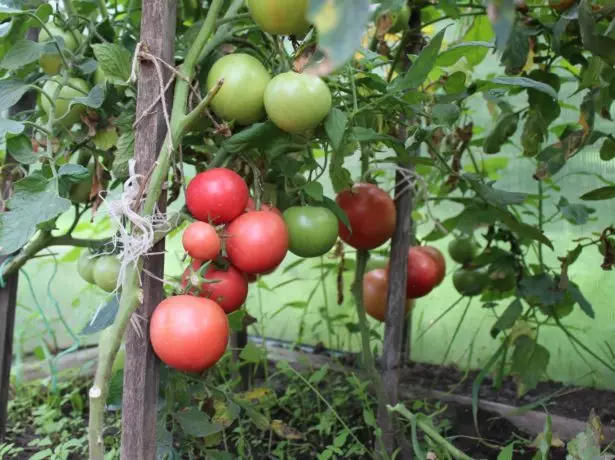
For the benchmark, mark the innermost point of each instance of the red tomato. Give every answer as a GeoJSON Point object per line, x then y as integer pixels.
{"type": "Point", "coordinates": [257, 241]}
{"type": "Point", "coordinates": [439, 258]}
{"type": "Point", "coordinates": [375, 285]}
{"type": "Point", "coordinates": [371, 213]}
{"type": "Point", "coordinates": [229, 291]}
{"type": "Point", "coordinates": [251, 206]}
{"type": "Point", "coordinates": [423, 273]}
{"type": "Point", "coordinates": [201, 241]}
{"type": "Point", "coordinates": [189, 333]}
{"type": "Point", "coordinates": [218, 196]}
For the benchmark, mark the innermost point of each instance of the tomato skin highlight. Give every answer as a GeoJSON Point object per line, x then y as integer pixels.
{"type": "Point", "coordinates": [201, 241]}
{"type": "Point", "coordinates": [372, 215]}
{"type": "Point", "coordinates": [218, 196]}
{"type": "Point", "coordinates": [257, 241]}
{"type": "Point", "coordinates": [439, 258]}
{"type": "Point", "coordinates": [375, 287]}
{"type": "Point", "coordinates": [423, 273]}
{"type": "Point", "coordinates": [312, 230]}
{"type": "Point", "coordinates": [189, 333]}
{"type": "Point", "coordinates": [230, 291]}
{"type": "Point", "coordinates": [297, 102]}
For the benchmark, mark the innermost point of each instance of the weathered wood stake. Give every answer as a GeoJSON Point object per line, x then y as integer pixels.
{"type": "Point", "coordinates": [141, 370]}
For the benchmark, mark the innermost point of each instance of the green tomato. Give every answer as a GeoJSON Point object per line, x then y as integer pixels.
{"type": "Point", "coordinates": [503, 276]}
{"type": "Point", "coordinates": [470, 283]}
{"type": "Point", "coordinates": [64, 115]}
{"type": "Point", "coordinates": [51, 62]}
{"type": "Point", "coordinates": [280, 17]}
{"type": "Point", "coordinates": [105, 272]}
{"type": "Point", "coordinates": [297, 102]}
{"type": "Point", "coordinates": [312, 230]}
{"type": "Point", "coordinates": [85, 266]}
{"type": "Point", "coordinates": [400, 20]}
{"type": "Point", "coordinates": [241, 95]}
{"type": "Point", "coordinates": [462, 250]}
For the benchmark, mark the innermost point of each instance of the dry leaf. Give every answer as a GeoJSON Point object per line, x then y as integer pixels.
{"type": "Point", "coordinates": [284, 431]}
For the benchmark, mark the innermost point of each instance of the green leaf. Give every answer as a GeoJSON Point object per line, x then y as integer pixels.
{"type": "Point", "coordinates": [235, 319]}
{"type": "Point", "coordinates": [607, 151]}
{"type": "Point", "coordinates": [103, 318]}
{"type": "Point", "coordinates": [94, 99]}
{"type": "Point", "coordinates": [517, 50]}
{"type": "Point", "coordinates": [524, 82]}
{"type": "Point", "coordinates": [421, 67]}
{"type": "Point", "coordinates": [507, 452]}
{"type": "Point", "coordinates": [577, 214]}
{"type": "Point", "coordinates": [252, 354]}
{"type": "Point", "coordinates": [314, 190]}
{"type": "Point", "coordinates": [114, 60]}
{"type": "Point", "coordinates": [88, 66]}
{"type": "Point", "coordinates": [445, 114]}
{"type": "Point", "coordinates": [196, 423]}
{"type": "Point", "coordinates": [124, 153]}
{"type": "Point", "coordinates": [74, 172]}
{"type": "Point", "coordinates": [106, 139]}
{"type": "Point", "coordinates": [22, 53]}
{"type": "Point", "coordinates": [10, 127]}
{"type": "Point", "coordinates": [11, 91]}
{"type": "Point", "coordinates": [508, 318]}
{"type": "Point", "coordinates": [27, 209]}
{"type": "Point", "coordinates": [339, 212]}
{"type": "Point", "coordinates": [495, 196]}
{"type": "Point", "coordinates": [524, 230]}
{"type": "Point", "coordinates": [529, 363]}
{"type": "Point", "coordinates": [20, 148]}
{"type": "Point", "coordinates": [452, 54]}
{"type": "Point", "coordinates": [340, 25]}
{"type": "Point", "coordinates": [256, 136]}
{"type": "Point", "coordinates": [599, 194]}
{"type": "Point", "coordinates": [116, 387]}
{"type": "Point", "coordinates": [335, 126]}
{"type": "Point", "coordinates": [503, 21]}
{"type": "Point", "coordinates": [579, 298]}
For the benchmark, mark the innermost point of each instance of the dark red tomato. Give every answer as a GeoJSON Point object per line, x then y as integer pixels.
{"type": "Point", "coordinates": [217, 196]}
{"type": "Point", "coordinates": [439, 258]}
{"type": "Point", "coordinates": [230, 289]}
{"type": "Point", "coordinates": [264, 207]}
{"type": "Point", "coordinates": [189, 333]}
{"type": "Point", "coordinates": [257, 242]}
{"type": "Point", "coordinates": [423, 273]}
{"type": "Point", "coordinates": [375, 286]}
{"type": "Point", "coordinates": [371, 213]}
{"type": "Point", "coordinates": [201, 241]}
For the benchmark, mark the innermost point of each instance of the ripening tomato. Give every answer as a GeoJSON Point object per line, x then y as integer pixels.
{"type": "Point", "coordinates": [257, 241]}
{"type": "Point", "coordinates": [201, 241]}
{"type": "Point", "coordinates": [65, 114]}
{"type": "Point", "coordinates": [297, 102]}
{"type": "Point", "coordinates": [189, 333]}
{"type": "Point", "coordinates": [280, 17]}
{"type": "Point", "coordinates": [217, 196]}
{"type": "Point", "coordinates": [251, 206]}
{"type": "Point", "coordinates": [241, 95]}
{"type": "Point", "coordinates": [371, 212]}
{"type": "Point", "coordinates": [375, 286]}
{"type": "Point", "coordinates": [423, 273]}
{"type": "Point", "coordinates": [228, 287]}
{"type": "Point", "coordinates": [439, 258]}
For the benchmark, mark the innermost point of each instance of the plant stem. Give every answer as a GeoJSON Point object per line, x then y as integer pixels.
{"type": "Point", "coordinates": [540, 223]}
{"type": "Point", "coordinates": [103, 9]}
{"type": "Point", "coordinates": [40, 242]}
{"type": "Point", "coordinates": [69, 7]}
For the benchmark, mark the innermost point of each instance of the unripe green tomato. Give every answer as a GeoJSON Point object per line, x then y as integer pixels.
{"type": "Point", "coordinates": [63, 115]}
{"type": "Point", "coordinates": [280, 17]}
{"type": "Point", "coordinates": [85, 266]}
{"type": "Point", "coordinates": [312, 230]}
{"type": "Point", "coordinates": [470, 283]}
{"type": "Point", "coordinates": [297, 102]}
{"type": "Point", "coordinates": [105, 272]}
{"type": "Point", "coordinates": [462, 250]}
{"type": "Point", "coordinates": [400, 19]}
{"type": "Point", "coordinates": [241, 95]}
{"type": "Point", "coordinates": [51, 63]}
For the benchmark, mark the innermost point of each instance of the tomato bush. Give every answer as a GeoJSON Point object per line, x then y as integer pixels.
{"type": "Point", "coordinates": [189, 333]}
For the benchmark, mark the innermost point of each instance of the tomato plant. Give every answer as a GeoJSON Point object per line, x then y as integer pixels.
{"type": "Point", "coordinates": [297, 102]}
{"type": "Point", "coordinates": [189, 333]}
{"type": "Point", "coordinates": [201, 241]}
{"type": "Point", "coordinates": [257, 242]}
{"type": "Point", "coordinates": [312, 230]}
{"type": "Point", "coordinates": [371, 213]}
{"type": "Point", "coordinates": [225, 285]}
{"type": "Point", "coordinates": [375, 286]}
{"type": "Point", "coordinates": [218, 196]}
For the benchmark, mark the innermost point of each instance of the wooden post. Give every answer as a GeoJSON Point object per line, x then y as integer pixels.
{"type": "Point", "coordinates": [8, 294]}
{"type": "Point", "coordinates": [396, 327]}
{"type": "Point", "coordinates": [141, 370]}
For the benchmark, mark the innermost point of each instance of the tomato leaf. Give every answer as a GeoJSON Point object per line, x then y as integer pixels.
{"type": "Point", "coordinates": [114, 60]}
{"type": "Point", "coordinates": [11, 91]}
{"type": "Point", "coordinates": [529, 363]}
{"type": "Point", "coordinates": [335, 126]}
{"type": "Point", "coordinates": [315, 191]}
{"type": "Point", "coordinates": [577, 214]}
{"type": "Point", "coordinates": [21, 54]}
{"type": "Point", "coordinates": [508, 318]}
{"type": "Point", "coordinates": [124, 153]}
{"type": "Point", "coordinates": [196, 423]}
{"type": "Point", "coordinates": [252, 354]}
{"type": "Point", "coordinates": [235, 319]}
{"type": "Point", "coordinates": [10, 126]}
{"type": "Point", "coordinates": [103, 317]}
{"type": "Point", "coordinates": [339, 212]}
{"type": "Point", "coordinates": [20, 148]}
{"type": "Point", "coordinates": [94, 99]}
{"type": "Point", "coordinates": [599, 194]}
